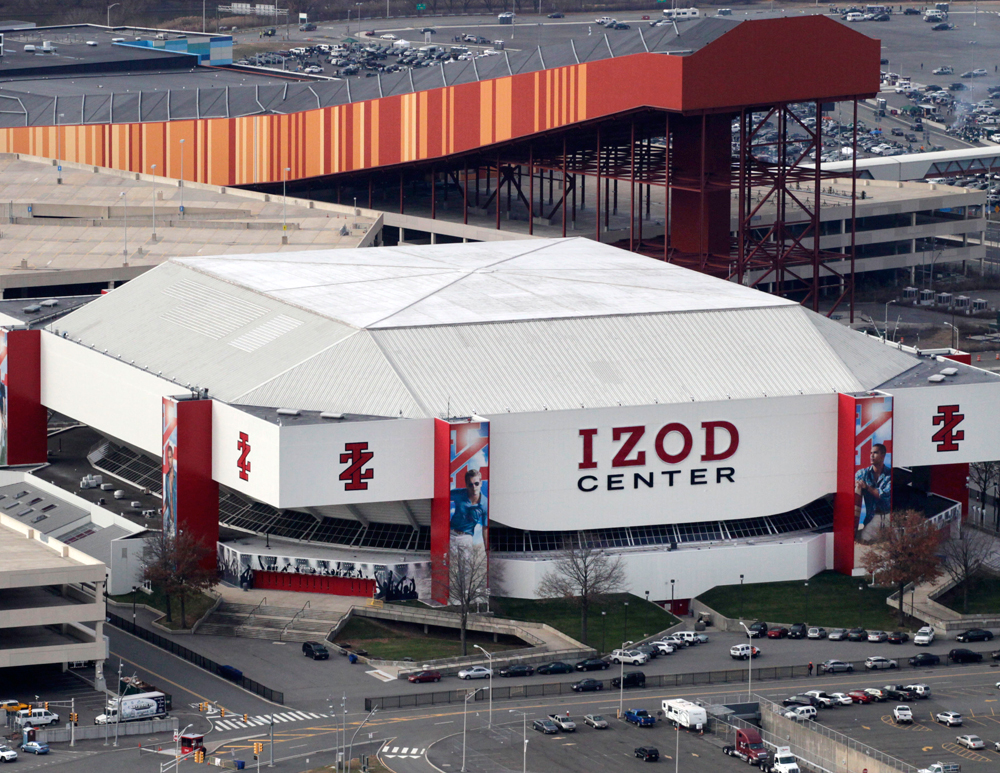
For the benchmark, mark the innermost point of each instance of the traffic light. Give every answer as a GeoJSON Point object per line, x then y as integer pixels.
{"type": "Point", "coordinates": [246, 718]}
{"type": "Point", "coordinates": [223, 713]}
{"type": "Point", "coordinates": [199, 755]}
{"type": "Point", "coordinates": [202, 706]}
{"type": "Point", "coordinates": [73, 717]}
{"type": "Point", "coordinates": [46, 705]}
{"type": "Point", "coordinates": [258, 747]}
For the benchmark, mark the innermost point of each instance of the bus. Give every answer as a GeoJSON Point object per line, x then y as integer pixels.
{"type": "Point", "coordinates": [678, 14]}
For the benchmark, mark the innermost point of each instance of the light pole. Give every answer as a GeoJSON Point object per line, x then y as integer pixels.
{"type": "Point", "coordinates": [154, 202]}
{"type": "Point", "coordinates": [350, 749]}
{"type": "Point", "coordinates": [359, 18]}
{"type": "Point", "coordinates": [109, 13]}
{"type": "Point", "coordinates": [861, 597]}
{"type": "Point", "coordinates": [125, 204]}
{"type": "Point", "coordinates": [625, 629]}
{"type": "Point", "coordinates": [604, 628]}
{"type": "Point", "coordinates": [489, 656]}
{"type": "Point", "coordinates": [806, 615]}
{"type": "Point", "coordinates": [749, 660]}
{"type": "Point", "coordinates": [741, 597]}
{"type": "Point", "coordinates": [177, 748]}
{"type": "Point", "coordinates": [954, 335]}
{"type": "Point", "coordinates": [182, 178]}
{"type": "Point", "coordinates": [677, 750]}
{"type": "Point", "coordinates": [59, 150]}
{"type": "Point", "coordinates": [135, 590]}
{"type": "Point", "coordinates": [887, 320]}
{"type": "Point", "coordinates": [646, 622]}
{"type": "Point", "coordinates": [621, 681]}
{"type": "Point", "coordinates": [524, 730]}
{"type": "Point", "coordinates": [118, 710]}
{"type": "Point", "coordinates": [465, 719]}
{"type": "Point", "coordinates": [284, 199]}
{"type": "Point", "coordinates": [671, 597]}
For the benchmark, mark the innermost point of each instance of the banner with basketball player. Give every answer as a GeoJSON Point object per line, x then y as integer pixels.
{"type": "Point", "coordinates": [169, 466]}
{"type": "Point", "coordinates": [460, 508]}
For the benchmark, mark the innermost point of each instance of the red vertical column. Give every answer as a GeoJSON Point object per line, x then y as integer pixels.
{"type": "Point", "coordinates": [843, 503]}
{"type": "Point", "coordinates": [441, 512]}
{"type": "Point", "coordinates": [952, 481]}
{"type": "Point", "coordinates": [24, 417]}
{"type": "Point", "coordinates": [192, 497]}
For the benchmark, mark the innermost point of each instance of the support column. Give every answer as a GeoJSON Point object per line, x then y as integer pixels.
{"type": "Point", "coordinates": [699, 212]}
{"type": "Point", "coordinates": [23, 438]}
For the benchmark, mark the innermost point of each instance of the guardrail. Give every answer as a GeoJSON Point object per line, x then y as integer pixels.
{"type": "Point", "coordinates": [193, 657]}
{"type": "Point", "coordinates": [727, 676]}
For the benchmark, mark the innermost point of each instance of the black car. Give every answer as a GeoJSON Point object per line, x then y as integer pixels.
{"type": "Point", "coordinates": [557, 15]}
{"type": "Point", "coordinates": [620, 25]}
{"type": "Point", "coordinates": [801, 700]}
{"type": "Point", "coordinates": [942, 26]}
{"type": "Point", "coordinates": [758, 630]}
{"type": "Point", "coordinates": [647, 753]}
{"type": "Point", "coordinates": [898, 637]}
{"type": "Point", "coordinates": [924, 659]}
{"type": "Point", "coordinates": [518, 669]}
{"type": "Point", "coordinates": [588, 685]}
{"type": "Point", "coordinates": [592, 664]}
{"type": "Point", "coordinates": [315, 650]}
{"type": "Point", "coordinates": [882, 17]}
{"type": "Point", "coordinates": [431, 30]}
{"type": "Point", "coordinates": [555, 668]}
{"type": "Point", "coordinates": [974, 634]}
{"type": "Point", "coordinates": [964, 656]}
{"type": "Point", "coordinates": [897, 692]}
{"type": "Point", "coordinates": [797, 631]}
{"type": "Point", "coordinates": [884, 61]}
{"type": "Point", "coordinates": [857, 634]}
{"type": "Point", "coordinates": [911, 12]}
{"type": "Point", "coordinates": [632, 679]}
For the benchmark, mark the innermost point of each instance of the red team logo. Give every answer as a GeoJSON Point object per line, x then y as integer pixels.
{"type": "Point", "coordinates": [356, 456]}
{"type": "Point", "coordinates": [243, 446]}
{"type": "Point", "coordinates": [947, 437]}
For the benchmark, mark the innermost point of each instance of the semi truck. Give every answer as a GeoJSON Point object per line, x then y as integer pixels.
{"type": "Point", "coordinates": [145, 705]}
{"type": "Point", "coordinates": [749, 747]}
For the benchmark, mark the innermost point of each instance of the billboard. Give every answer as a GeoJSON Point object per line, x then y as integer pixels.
{"type": "Point", "coordinates": [460, 507]}
{"type": "Point", "coordinates": [169, 469]}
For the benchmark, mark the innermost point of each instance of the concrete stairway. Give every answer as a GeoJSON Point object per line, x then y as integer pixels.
{"type": "Point", "coordinates": [269, 622]}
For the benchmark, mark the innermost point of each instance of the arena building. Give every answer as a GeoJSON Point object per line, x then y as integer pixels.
{"type": "Point", "coordinates": [325, 407]}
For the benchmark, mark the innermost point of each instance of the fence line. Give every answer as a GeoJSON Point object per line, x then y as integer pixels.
{"type": "Point", "coordinates": [201, 661]}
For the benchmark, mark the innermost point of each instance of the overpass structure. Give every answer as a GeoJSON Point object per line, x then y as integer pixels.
{"type": "Point", "coordinates": [921, 166]}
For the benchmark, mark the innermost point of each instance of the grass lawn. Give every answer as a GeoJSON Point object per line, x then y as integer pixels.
{"type": "Point", "coordinates": [396, 641]}
{"type": "Point", "coordinates": [984, 597]}
{"type": "Point", "coordinates": [606, 631]}
{"type": "Point", "coordinates": [831, 600]}
{"type": "Point", "coordinates": [194, 606]}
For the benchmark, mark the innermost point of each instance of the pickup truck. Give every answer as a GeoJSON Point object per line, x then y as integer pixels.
{"type": "Point", "coordinates": [640, 717]}
{"type": "Point", "coordinates": [942, 767]}
{"type": "Point", "coordinates": [902, 715]}
{"type": "Point", "coordinates": [563, 722]}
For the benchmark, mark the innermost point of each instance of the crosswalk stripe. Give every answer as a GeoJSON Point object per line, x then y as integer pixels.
{"type": "Point", "coordinates": [262, 719]}
{"type": "Point", "coordinates": [314, 716]}
{"type": "Point", "coordinates": [224, 724]}
{"type": "Point", "coordinates": [395, 749]}
{"type": "Point", "coordinates": [239, 724]}
{"type": "Point", "coordinates": [327, 716]}
{"type": "Point", "coordinates": [404, 750]}
{"type": "Point", "coordinates": [298, 715]}
{"type": "Point", "coordinates": [283, 717]}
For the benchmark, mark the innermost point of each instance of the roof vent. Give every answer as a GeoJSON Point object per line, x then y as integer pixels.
{"type": "Point", "coordinates": [950, 372]}
{"type": "Point", "coordinates": [331, 415]}
{"type": "Point", "coordinates": [32, 309]}
{"type": "Point", "coordinates": [49, 303]}
{"type": "Point", "coordinates": [288, 411]}
{"type": "Point", "coordinates": [937, 378]}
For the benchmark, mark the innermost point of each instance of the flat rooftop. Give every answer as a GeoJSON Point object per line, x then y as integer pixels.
{"type": "Point", "coordinates": [75, 233]}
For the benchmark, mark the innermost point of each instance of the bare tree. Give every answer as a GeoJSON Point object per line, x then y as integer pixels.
{"type": "Point", "coordinates": [964, 556]}
{"type": "Point", "coordinates": [583, 575]}
{"type": "Point", "coordinates": [471, 578]}
{"type": "Point", "coordinates": [177, 565]}
{"type": "Point", "coordinates": [904, 550]}
{"type": "Point", "coordinates": [982, 477]}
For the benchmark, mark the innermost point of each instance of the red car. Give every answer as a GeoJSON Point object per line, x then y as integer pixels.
{"type": "Point", "coordinates": [859, 696]}
{"type": "Point", "coordinates": [777, 633]}
{"type": "Point", "coordinates": [425, 676]}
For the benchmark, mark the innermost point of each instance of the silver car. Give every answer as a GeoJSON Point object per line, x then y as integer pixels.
{"type": "Point", "coordinates": [596, 721]}
{"type": "Point", "coordinates": [837, 634]}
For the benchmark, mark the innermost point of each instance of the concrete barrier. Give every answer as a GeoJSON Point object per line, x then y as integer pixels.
{"type": "Point", "coordinates": [82, 732]}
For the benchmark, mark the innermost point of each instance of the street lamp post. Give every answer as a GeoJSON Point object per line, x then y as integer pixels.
{"type": "Point", "coordinates": [154, 202]}
{"type": "Point", "coordinates": [350, 749]}
{"type": "Point", "coordinates": [749, 661]}
{"type": "Point", "coordinates": [465, 719]}
{"type": "Point", "coordinates": [604, 628]}
{"type": "Point", "coordinates": [886, 336]}
{"type": "Point", "coordinates": [359, 18]}
{"type": "Point", "coordinates": [621, 681]}
{"type": "Point", "coordinates": [135, 590]}
{"type": "Point", "coordinates": [671, 597]}
{"type": "Point", "coordinates": [284, 199]}
{"type": "Point", "coordinates": [741, 597]}
{"type": "Point", "coordinates": [125, 204]}
{"type": "Point", "coordinates": [524, 730]}
{"type": "Point", "coordinates": [806, 616]}
{"type": "Point", "coordinates": [59, 150]}
{"type": "Point", "coordinates": [177, 747]}
{"type": "Point", "coordinates": [646, 621]}
{"type": "Point", "coordinates": [625, 629]}
{"type": "Point", "coordinates": [861, 597]}
{"type": "Point", "coordinates": [489, 656]}
{"type": "Point", "coordinates": [109, 12]}
{"type": "Point", "coordinates": [182, 178]}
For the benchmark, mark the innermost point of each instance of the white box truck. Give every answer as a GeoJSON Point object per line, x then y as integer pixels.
{"type": "Point", "coordinates": [144, 705]}
{"type": "Point", "coordinates": [685, 714]}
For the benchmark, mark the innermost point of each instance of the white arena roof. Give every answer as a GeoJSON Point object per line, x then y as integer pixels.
{"type": "Point", "coordinates": [471, 328]}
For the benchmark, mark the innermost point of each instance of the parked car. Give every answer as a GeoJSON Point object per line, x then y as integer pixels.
{"type": "Point", "coordinates": [797, 631]}
{"type": "Point", "coordinates": [964, 656]}
{"type": "Point", "coordinates": [974, 634]}
{"type": "Point", "coordinates": [557, 15]}
{"type": "Point", "coordinates": [516, 669]}
{"type": "Point", "coordinates": [666, 647]}
{"type": "Point", "coordinates": [898, 692]}
{"type": "Point", "coordinates": [743, 651]}
{"type": "Point", "coordinates": [800, 700]}
{"type": "Point", "coordinates": [546, 726]}
{"type": "Point", "coordinates": [424, 676]}
{"type": "Point", "coordinates": [596, 721]}
{"type": "Point", "coordinates": [7, 754]}
{"type": "Point", "coordinates": [35, 747]}
{"type": "Point", "coordinates": [837, 634]}
{"type": "Point", "coordinates": [476, 672]}
{"type": "Point", "coordinates": [592, 664]}
{"type": "Point", "coordinates": [563, 722]}
{"type": "Point", "coordinates": [800, 713]}
{"type": "Point", "coordinates": [825, 701]}
{"type": "Point", "coordinates": [857, 634]}
{"type": "Point", "coordinates": [758, 629]}
{"type": "Point", "coordinates": [315, 650]}
{"type": "Point", "coordinates": [944, 70]}
{"type": "Point", "coordinates": [842, 699]}
{"type": "Point", "coordinates": [924, 636]}
{"type": "Point", "coordinates": [922, 690]}
{"type": "Point", "coordinates": [924, 659]}
{"type": "Point", "coordinates": [647, 753]}
{"type": "Point", "coordinates": [860, 696]}
{"type": "Point", "coordinates": [555, 668]}
{"type": "Point", "coordinates": [970, 741]}
{"type": "Point", "coordinates": [898, 637]}
{"type": "Point", "coordinates": [949, 718]}
{"type": "Point", "coordinates": [632, 679]}
{"type": "Point", "coordinates": [833, 667]}
{"type": "Point", "coordinates": [587, 685]}
{"type": "Point", "coordinates": [816, 633]}
{"type": "Point", "coordinates": [877, 636]}
{"type": "Point", "coordinates": [632, 657]}
{"type": "Point", "coordinates": [876, 694]}
{"type": "Point", "coordinates": [902, 715]}
{"type": "Point", "coordinates": [777, 633]}
{"type": "Point", "coordinates": [639, 717]}
{"type": "Point", "coordinates": [877, 662]}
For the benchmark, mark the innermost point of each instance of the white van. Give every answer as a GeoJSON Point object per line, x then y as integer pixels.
{"type": "Point", "coordinates": [855, 17]}
{"type": "Point", "coordinates": [36, 718]}
{"type": "Point", "coordinates": [689, 636]}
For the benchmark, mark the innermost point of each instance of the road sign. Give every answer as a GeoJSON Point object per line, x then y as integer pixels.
{"type": "Point", "coordinates": [59, 168]}
{"type": "Point", "coordinates": [421, 7]}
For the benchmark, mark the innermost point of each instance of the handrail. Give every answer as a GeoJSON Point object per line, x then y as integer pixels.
{"type": "Point", "coordinates": [253, 611]}
{"type": "Point", "coordinates": [289, 623]}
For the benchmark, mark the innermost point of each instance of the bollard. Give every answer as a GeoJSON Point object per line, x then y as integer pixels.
{"type": "Point", "coordinates": [979, 358]}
